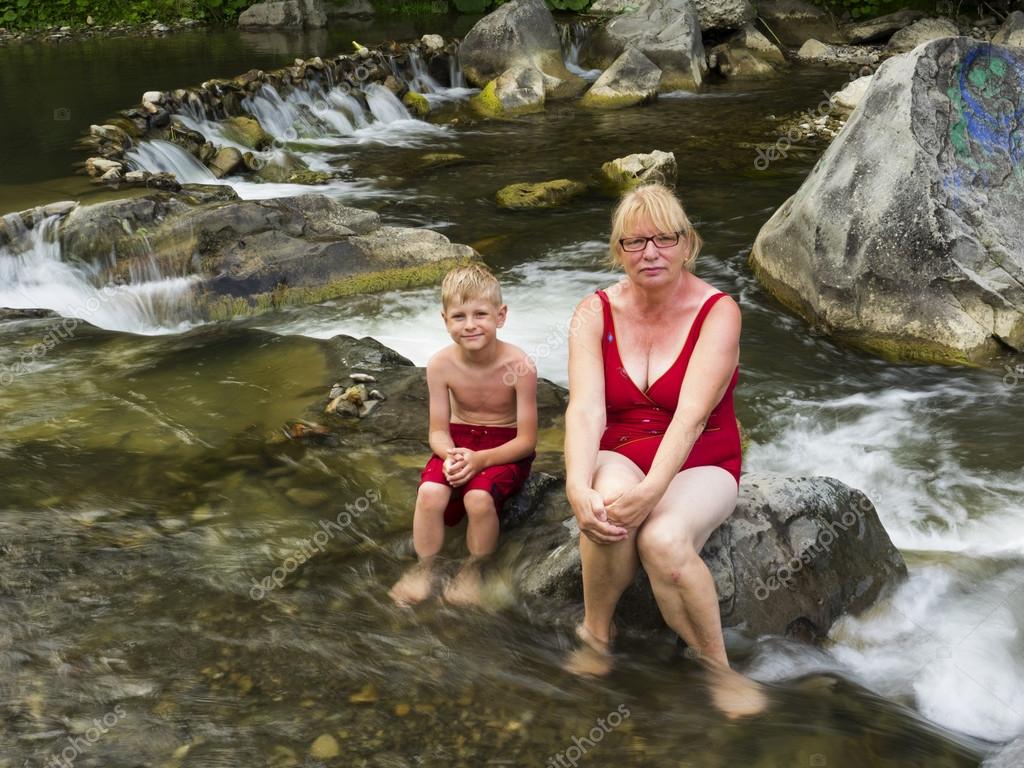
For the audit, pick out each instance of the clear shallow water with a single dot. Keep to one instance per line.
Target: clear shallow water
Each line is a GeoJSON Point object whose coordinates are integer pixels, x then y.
{"type": "Point", "coordinates": [146, 497]}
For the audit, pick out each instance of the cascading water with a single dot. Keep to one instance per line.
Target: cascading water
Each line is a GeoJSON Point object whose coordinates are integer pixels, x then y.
{"type": "Point", "coordinates": [573, 36]}
{"type": "Point", "coordinates": [34, 274]}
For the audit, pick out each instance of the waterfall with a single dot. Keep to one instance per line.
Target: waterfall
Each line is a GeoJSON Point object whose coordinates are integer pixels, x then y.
{"type": "Point", "coordinates": [34, 274]}
{"type": "Point", "coordinates": [573, 36]}
{"type": "Point", "coordinates": [157, 156]}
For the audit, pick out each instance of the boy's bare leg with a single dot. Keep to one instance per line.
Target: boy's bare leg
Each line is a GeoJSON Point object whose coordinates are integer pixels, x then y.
{"type": "Point", "coordinates": [427, 538]}
{"type": "Point", "coordinates": [481, 540]}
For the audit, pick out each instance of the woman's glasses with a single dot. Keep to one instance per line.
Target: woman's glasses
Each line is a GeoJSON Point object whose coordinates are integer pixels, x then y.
{"type": "Point", "coordinates": [660, 240]}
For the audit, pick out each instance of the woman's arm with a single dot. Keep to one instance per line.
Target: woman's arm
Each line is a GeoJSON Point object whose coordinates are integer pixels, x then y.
{"type": "Point", "coordinates": [585, 421]}
{"type": "Point", "coordinates": [708, 373]}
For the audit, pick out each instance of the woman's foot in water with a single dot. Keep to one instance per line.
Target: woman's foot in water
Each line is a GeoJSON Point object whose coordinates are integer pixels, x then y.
{"type": "Point", "coordinates": [415, 585]}
{"type": "Point", "coordinates": [593, 656]}
{"type": "Point", "coordinates": [736, 695]}
{"type": "Point", "coordinates": [467, 586]}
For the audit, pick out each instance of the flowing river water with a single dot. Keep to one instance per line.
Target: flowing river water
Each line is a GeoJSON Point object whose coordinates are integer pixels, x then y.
{"type": "Point", "coordinates": [141, 506]}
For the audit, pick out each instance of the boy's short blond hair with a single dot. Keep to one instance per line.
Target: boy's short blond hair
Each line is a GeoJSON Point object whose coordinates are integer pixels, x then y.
{"type": "Point", "coordinates": [659, 205]}
{"type": "Point", "coordinates": [470, 281]}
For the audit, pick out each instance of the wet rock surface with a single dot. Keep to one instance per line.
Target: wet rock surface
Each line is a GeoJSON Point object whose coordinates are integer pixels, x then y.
{"type": "Point", "coordinates": [249, 256]}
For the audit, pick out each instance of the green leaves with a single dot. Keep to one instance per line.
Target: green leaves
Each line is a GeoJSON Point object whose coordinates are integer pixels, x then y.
{"type": "Point", "coordinates": [33, 14]}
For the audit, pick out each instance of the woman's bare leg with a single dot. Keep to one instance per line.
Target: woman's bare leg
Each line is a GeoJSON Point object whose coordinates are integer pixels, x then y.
{"type": "Point", "coordinates": [669, 542]}
{"type": "Point", "coordinates": [607, 570]}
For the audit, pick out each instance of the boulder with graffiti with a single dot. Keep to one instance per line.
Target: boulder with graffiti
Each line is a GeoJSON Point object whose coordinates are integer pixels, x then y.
{"type": "Point", "coordinates": [906, 239]}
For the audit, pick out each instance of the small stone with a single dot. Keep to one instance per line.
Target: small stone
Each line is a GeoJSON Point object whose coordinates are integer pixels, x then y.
{"type": "Point", "coordinates": [402, 709]}
{"type": "Point", "coordinates": [135, 177]}
{"type": "Point", "coordinates": [362, 378]}
{"type": "Point", "coordinates": [89, 20]}
{"type": "Point", "coordinates": [154, 97]}
{"type": "Point", "coordinates": [325, 747]}
{"type": "Point", "coordinates": [366, 695]}
{"type": "Point", "coordinates": [376, 394]}
{"type": "Point", "coordinates": [432, 42]}
{"type": "Point", "coordinates": [308, 498]}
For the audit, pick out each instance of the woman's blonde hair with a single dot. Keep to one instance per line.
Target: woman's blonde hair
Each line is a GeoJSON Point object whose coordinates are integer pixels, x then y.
{"type": "Point", "coordinates": [470, 281]}
{"type": "Point", "coordinates": [657, 204]}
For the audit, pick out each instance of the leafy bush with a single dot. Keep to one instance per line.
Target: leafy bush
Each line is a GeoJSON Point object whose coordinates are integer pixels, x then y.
{"type": "Point", "coordinates": [32, 14]}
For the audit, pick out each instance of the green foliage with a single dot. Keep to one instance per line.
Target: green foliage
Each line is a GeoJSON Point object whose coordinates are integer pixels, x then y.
{"type": "Point", "coordinates": [35, 14]}
{"type": "Point", "coordinates": [471, 6]}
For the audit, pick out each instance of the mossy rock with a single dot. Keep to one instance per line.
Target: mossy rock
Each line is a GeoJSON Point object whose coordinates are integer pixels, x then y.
{"type": "Point", "coordinates": [593, 100]}
{"type": "Point", "coordinates": [220, 307]}
{"type": "Point", "coordinates": [416, 103]}
{"type": "Point", "coordinates": [546, 194]}
{"type": "Point", "coordinates": [432, 161]}
{"type": "Point", "coordinates": [488, 104]}
{"type": "Point", "coordinates": [247, 131]}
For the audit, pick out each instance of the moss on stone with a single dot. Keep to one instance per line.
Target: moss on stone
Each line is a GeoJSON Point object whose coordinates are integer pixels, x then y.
{"type": "Point", "coordinates": [593, 100]}
{"type": "Point", "coordinates": [416, 103]}
{"type": "Point", "coordinates": [488, 104]}
{"type": "Point", "coordinates": [225, 307]}
{"type": "Point", "coordinates": [545, 194]}
{"type": "Point", "coordinates": [889, 347]}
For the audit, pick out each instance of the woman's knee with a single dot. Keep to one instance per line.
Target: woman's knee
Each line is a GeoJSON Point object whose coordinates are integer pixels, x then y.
{"type": "Point", "coordinates": [666, 553]}
{"type": "Point", "coordinates": [612, 482]}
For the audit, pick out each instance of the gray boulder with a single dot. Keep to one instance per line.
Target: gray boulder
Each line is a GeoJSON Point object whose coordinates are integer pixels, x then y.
{"type": "Point", "coordinates": [520, 33]}
{"type": "Point", "coordinates": [919, 32]}
{"type": "Point", "coordinates": [251, 256]}
{"type": "Point", "coordinates": [625, 173]}
{"type": "Point", "coordinates": [1012, 32]}
{"type": "Point", "coordinates": [284, 14]}
{"type": "Point", "coordinates": [747, 54]}
{"type": "Point", "coordinates": [797, 554]}
{"type": "Point", "coordinates": [881, 28]}
{"type": "Point", "coordinates": [906, 239]}
{"type": "Point", "coordinates": [1010, 756]}
{"type": "Point", "coordinates": [795, 21]}
{"type": "Point", "coordinates": [631, 79]}
{"type": "Point", "coordinates": [724, 14]}
{"type": "Point", "coordinates": [665, 31]}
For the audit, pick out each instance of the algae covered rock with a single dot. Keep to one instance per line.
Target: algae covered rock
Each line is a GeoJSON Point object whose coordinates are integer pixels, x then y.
{"type": "Point", "coordinates": [625, 173]}
{"type": "Point", "coordinates": [253, 255]}
{"type": "Point", "coordinates": [247, 131]}
{"type": "Point", "coordinates": [545, 194]}
{"type": "Point", "coordinates": [906, 239]}
{"type": "Point", "coordinates": [517, 91]}
{"type": "Point", "coordinates": [632, 79]}
{"type": "Point", "coordinates": [416, 103]}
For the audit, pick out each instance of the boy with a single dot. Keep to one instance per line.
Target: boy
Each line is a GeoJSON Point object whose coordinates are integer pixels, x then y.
{"type": "Point", "coordinates": [483, 431]}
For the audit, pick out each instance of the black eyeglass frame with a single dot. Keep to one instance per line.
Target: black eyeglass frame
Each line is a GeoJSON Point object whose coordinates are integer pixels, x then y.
{"type": "Point", "coordinates": [622, 241]}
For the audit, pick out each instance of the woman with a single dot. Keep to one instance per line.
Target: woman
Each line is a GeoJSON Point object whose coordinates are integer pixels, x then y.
{"type": "Point", "coordinates": [652, 446]}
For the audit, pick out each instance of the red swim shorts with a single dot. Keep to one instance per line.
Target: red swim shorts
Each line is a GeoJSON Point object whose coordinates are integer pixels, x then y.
{"type": "Point", "coordinates": [501, 481]}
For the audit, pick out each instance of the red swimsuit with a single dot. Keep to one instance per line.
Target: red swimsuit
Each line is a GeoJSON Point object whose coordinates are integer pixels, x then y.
{"type": "Point", "coordinates": [637, 419]}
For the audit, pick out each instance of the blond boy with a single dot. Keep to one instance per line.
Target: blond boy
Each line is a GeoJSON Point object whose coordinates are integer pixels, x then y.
{"type": "Point", "coordinates": [483, 431]}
